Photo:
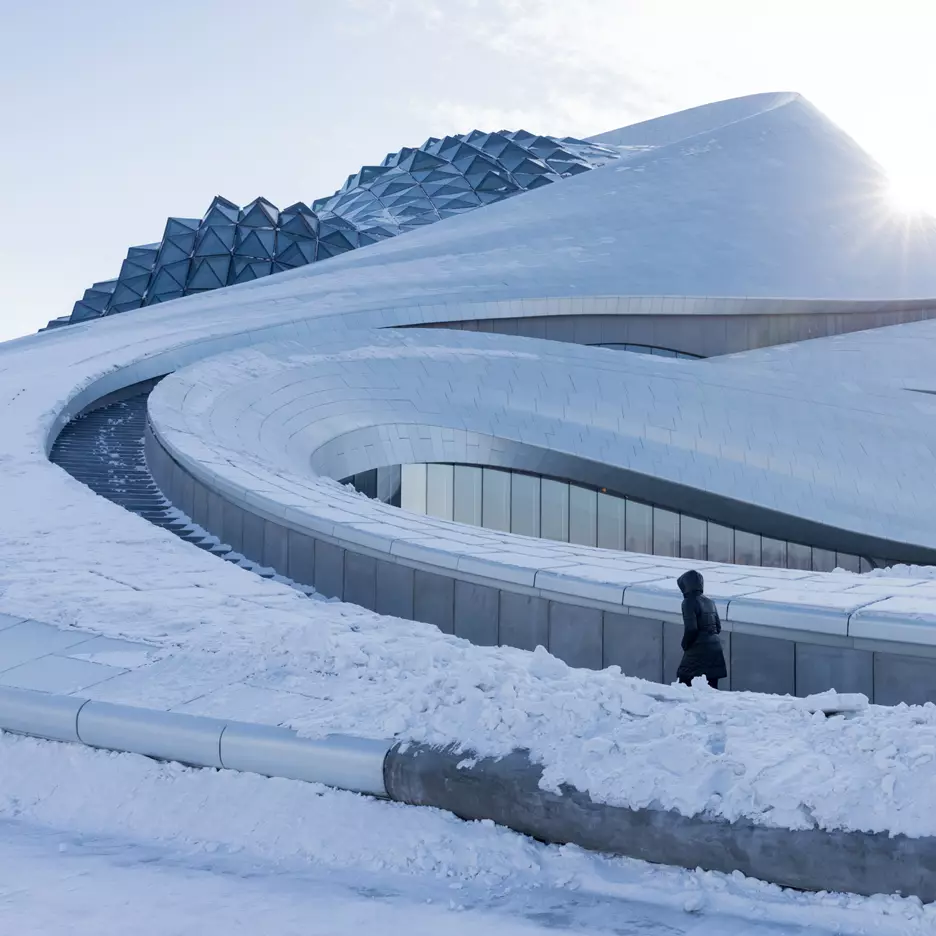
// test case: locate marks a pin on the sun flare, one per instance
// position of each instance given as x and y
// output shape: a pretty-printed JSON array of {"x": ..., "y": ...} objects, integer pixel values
[{"x": 913, "y": 194}]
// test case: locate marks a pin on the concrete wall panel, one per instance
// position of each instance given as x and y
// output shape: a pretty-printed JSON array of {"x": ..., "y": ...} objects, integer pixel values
[
  {"x": 300, "y": 558},
  {"x": 276, "y": 547},
  {"x": 434, "y": 600},
  {"x": 394, "y": 590},
  {"x": 524, "y": 621},
  {"x": 360, "y": 580},
  {"x": 215, "y": 515},
  {"x": 904, "y": 679},
  {"x": 762, "y": 664},
  {"x": 199, "y": 513},
  {"x": 252, "y": 546},
  {"x": 476, "y": 613},
  {"x": 635, "y": 644},
  {"x": 672, "y": 650},
  {"x": 186, "y": 493},
  {"x": 844, "y": 669},
  {"x": 329, "y": 569},
  {"x": 575, "y": 634},
  {"x": 232, "y": 526}
]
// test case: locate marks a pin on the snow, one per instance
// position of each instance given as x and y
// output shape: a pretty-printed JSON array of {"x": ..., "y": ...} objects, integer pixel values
[
  {"x": 221, "y": 641},
  {"x": 128, "y": 844},
  {"x": 230, "y": 644},
  {"x": 327, "y": 667}
]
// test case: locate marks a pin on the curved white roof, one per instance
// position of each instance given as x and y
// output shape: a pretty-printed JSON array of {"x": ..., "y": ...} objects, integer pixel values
[
  {"x": 778, "y": 203},
  {"x": 767, "y": 198}
]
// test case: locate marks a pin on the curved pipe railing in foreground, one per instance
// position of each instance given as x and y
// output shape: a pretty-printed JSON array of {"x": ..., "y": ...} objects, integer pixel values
[{"x": 506, "y": 790}]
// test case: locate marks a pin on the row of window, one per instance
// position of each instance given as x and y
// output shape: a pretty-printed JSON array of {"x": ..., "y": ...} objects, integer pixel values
[
  {"x": 649, "y": 349},
  {"x": 531, "y": 505}
]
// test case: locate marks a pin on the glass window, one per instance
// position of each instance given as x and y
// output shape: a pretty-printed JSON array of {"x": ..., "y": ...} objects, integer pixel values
[
  {"x": 720, "y": 543},
  {"x": 583, "y": 515},
  {"x": 413, "y": 488},
  {"x": 798, "y": 556},
  {"x": 747, "y": 548},
  {"x": 847, "y": 562},
  {"x": 439, "y": 491},
  {"x": 823, "y": 560},
  {"x": 639, "y": 527},
  {"x": 495, "y": 499},
  {"x": 693, "y": 538},
  {"x": 366, "y": 482},
  {"x": 388, "y": 485},
  {"x": 611, "y": 514},
  {"x": 665, "y": 532},
  {"x": 467, "y": 507},
  {"x": 865, "y": 565},
  {"x": 773, "y": 552},
  {"x": 554, "y": 515},
  {"x": 525, "y": 505}
]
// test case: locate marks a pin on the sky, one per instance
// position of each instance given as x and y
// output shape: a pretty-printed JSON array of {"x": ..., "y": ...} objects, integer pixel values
[{"x": 115, "y": 115}]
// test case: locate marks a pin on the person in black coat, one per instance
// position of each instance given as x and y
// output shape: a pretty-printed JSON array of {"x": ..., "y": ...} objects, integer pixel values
[{"x": 702, "y": 649}]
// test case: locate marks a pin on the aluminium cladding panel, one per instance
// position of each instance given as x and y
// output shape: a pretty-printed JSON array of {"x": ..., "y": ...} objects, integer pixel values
[
  {"x": 524, "y": 621},
  {"x": 672, "y": 650},
  {"x": 275, "y": 547},
  {"x": 300, "y": 562},
  {"x": 189, "y": 739},
  {"x": 232, "y": 525},
  {"x": 434, "y": 600},
  {"x": 844, "y": 669},
  {"x": 155, "y": 457},
  {"x": 252, "y": 536},
  {"x": 360, "y": 580},
  {"x": 186, "y": 502},
  {"x": 329, "y": 569},
  {"x": 215, "y": 524},
  {"x": 635, "y": 644},
  {"x": 199, "y": 512},
  {"x": 507, "y": 791},
  {"x": 899, "y": 678},
  {"x": 347, "y": 763},
  {"x": 762, "y": 664},
  {"x": 395, "y": 585},
  {"x": 575, "y": 634},
  {"x": 40, "y": 714},
  {"x": 476, "y": 613}
]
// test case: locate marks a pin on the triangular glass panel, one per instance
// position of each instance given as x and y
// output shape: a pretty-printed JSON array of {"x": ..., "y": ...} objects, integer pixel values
[
  {"x": 214, "y": 240},
  {"x": 255, "y": 242},
  {"x": 298, "y": 253},
  {"x": 169, "y": 278},
  {"x": 170, "y": 253},
  {"x": 177, "y": 226},
  {"x": 259, "y": 213},
  {"x": 221, "y": 212},
  {"x": 208, "y": 273}
]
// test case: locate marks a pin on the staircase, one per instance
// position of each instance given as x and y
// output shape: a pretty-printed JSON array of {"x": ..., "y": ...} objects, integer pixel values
[{"x": 104, "y": 450}]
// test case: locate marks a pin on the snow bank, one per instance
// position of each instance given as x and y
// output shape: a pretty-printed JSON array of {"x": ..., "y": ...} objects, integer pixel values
[
  {"x": 324, "y": 667},
  {"x": 626, "y": 741},
  {"x": 253, "y": 827}
]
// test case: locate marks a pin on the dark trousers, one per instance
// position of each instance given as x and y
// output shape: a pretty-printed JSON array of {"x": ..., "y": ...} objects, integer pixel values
[{"x": 688, "y": 682}]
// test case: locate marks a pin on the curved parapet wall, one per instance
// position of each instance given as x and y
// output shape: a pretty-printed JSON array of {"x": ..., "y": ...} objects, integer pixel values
[
  {"x": 506, "y": 790},
  {"x": 787, "y": 631}
]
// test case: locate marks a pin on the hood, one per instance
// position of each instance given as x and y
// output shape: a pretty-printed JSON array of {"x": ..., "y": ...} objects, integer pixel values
[{"x": 690, "y": 582}]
